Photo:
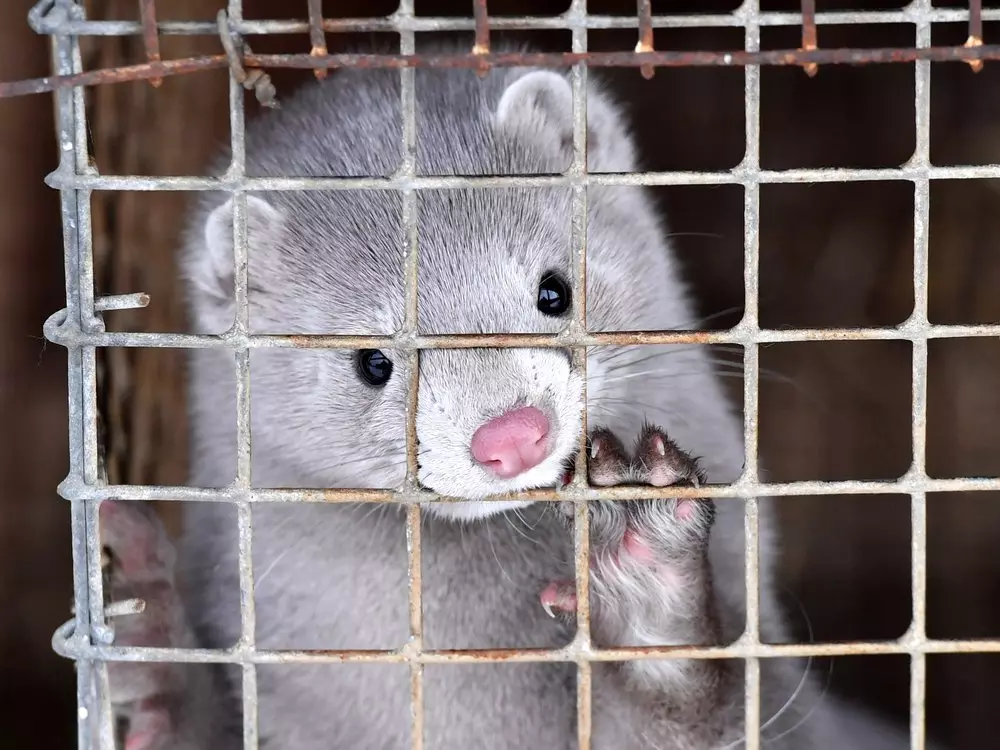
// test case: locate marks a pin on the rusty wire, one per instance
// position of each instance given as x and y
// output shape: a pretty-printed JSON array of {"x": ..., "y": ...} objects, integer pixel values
[
  {"x": 645, "y": 43},
  {"x": 150, "y": 35},
  {"x": 482, "y": 19},
  {"x": 975, "y": 39},
  {"x": 809, "y": 33},
  {"x": 88, "y": 638},
  {"x": 317, "y": 35},
  {"x": 236, "y": 50},
  {"x": 974, "y": 52}
]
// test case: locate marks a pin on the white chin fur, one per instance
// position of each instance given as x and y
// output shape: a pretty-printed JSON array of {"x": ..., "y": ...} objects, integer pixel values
[{"x": 545, "y": 474}]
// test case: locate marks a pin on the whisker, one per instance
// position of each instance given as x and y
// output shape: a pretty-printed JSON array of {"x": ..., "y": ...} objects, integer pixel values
[
  {"x": 812, "y": 709},
  {"x": 730, "y": 370},
  {"x": 640, "y": 407},
  {"x": 380, "y": 457},
  {"x": 520, "y": 515},
  {"x": 260, "y": 579},
  {"x": 677, "y": 350},
  {"x": 795, "y": 693},
  {"x": 691, "y": 325},
  {"x": 711, "y": 235},
  {"x": 695, "y": 324},
  {"x": 805, "y": 672},
  {"x": 617, "y": 354},
  {"x": 655, "y": 355},
  {"x": 518, "y": 531},
  {"x": 777, "y": 377},
  {"x": 493, "y": 549}
]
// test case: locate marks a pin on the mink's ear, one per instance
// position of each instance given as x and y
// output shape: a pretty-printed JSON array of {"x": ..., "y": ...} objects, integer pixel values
[
  {"x": 538, "y": 107},
  {"x": 210, "y": 265}
]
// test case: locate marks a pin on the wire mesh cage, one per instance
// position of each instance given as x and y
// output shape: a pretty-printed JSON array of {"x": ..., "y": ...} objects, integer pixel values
[{"x": 88, "y": 638}]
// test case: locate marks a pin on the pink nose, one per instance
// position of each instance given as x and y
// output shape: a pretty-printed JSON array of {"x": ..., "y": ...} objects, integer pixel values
[{"x": 513, "y": 442}]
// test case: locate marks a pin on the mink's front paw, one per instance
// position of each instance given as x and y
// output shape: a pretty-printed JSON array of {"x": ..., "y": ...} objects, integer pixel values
[
  {"x": 648, "y": 557},
  {"x": 674, "y": 530}
]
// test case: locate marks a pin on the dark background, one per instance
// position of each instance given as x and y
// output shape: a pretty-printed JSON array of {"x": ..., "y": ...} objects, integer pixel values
[{"x": 831, "y": 255}]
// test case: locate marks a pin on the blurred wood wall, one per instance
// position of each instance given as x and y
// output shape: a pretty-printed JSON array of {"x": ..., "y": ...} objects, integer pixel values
[
  {"x": 36, "y": 692},
  {"x": 831, "y": 255}
]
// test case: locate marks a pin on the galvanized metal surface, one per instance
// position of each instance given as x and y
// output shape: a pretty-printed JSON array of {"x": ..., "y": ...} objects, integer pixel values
[{"x": 88, "y": 638}]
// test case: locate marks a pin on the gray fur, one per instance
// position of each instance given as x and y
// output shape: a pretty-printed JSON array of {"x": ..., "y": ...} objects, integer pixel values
[{"x": 335, "y": 577}]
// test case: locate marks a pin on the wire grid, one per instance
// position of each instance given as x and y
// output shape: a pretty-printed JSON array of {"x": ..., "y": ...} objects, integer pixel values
[{"x": 88, "y": 638}]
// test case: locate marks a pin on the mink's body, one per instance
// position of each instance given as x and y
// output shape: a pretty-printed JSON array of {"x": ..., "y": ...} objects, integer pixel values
[{"x": 335, "y": 577}]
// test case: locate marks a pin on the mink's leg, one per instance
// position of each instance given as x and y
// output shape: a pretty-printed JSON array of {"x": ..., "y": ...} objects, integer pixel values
[
  {"x": 164, "y": 705},
  {"x": 651, "y": 586}
]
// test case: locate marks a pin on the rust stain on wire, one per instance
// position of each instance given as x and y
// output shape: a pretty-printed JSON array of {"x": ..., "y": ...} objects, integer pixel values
[
  {"x": 316, "y": 34},
  {"x": 256, "y": 80},
  {"x": 975, "y": 39},
  {"x": 669, "y": 59},
  {"x": 150, "y": 35},
  {"x": 809, "y": 34},
  {"x": 973, "y": 53},
  {"x": 65, "y": 644},
  {"x": 482, "y": 44},
  {"x": 645, "y": 44},
  {"x": 844, "y": 56},
  {"x": 123, "y": 74}
]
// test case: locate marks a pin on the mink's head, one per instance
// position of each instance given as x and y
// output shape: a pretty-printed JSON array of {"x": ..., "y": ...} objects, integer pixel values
[{"x": 491, "y": 260}]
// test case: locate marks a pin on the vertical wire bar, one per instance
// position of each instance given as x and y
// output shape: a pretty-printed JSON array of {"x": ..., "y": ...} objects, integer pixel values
[
  {"x": 577, "y": 15},
  {"x": 408, "y": 169},
  {"x": 100, "y": 630},
  {"x": 644, "y": 9},
  {"x": 89, "y": 321},
  {"x": 975, "y": 31},
  {"x": 809, "y": 33},
  {"x": 97, "y": 674},
  {"x": 89, "y": 700},
  {"x": 482, "y": 21},
  {"x": 316, "y": 35},
  {"x": 918, "y": 500},
  {"x": 150, "y": 35},
  {"x": 751, "y": 266},
  {"x": 976, "y": 20},
  {"x": 241, "y": 327}
]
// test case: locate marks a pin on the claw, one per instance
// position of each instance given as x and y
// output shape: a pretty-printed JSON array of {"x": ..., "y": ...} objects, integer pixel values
[
  {"x": 658, "y": 444},
  {"x": 558, "y": 595}
]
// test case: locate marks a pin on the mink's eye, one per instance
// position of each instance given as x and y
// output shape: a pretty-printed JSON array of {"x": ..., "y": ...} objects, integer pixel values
[
  {"x": 374, "y": 367},
  {"x": 554, "y": 295}
]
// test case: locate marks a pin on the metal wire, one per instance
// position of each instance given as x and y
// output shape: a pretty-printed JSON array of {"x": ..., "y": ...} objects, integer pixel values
[
  {"x": 974, "y": 52},
  {"x": 918, "y": 418},
  {"x": 751, "y": 267},
  {"x": 88, "y": 638}
]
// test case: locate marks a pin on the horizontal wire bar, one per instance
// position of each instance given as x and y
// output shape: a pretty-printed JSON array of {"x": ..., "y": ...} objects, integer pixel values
[
  {"x": 68, "y": 336},
  {"x": 72, "y": 489},
  {"x": 62, "y": 180},
  {"x": 647, "y": 61},
  {"x": 632, "y": 59},
  {"x": 67, "y": 646},
  {"x": 511, "y": 23}
]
